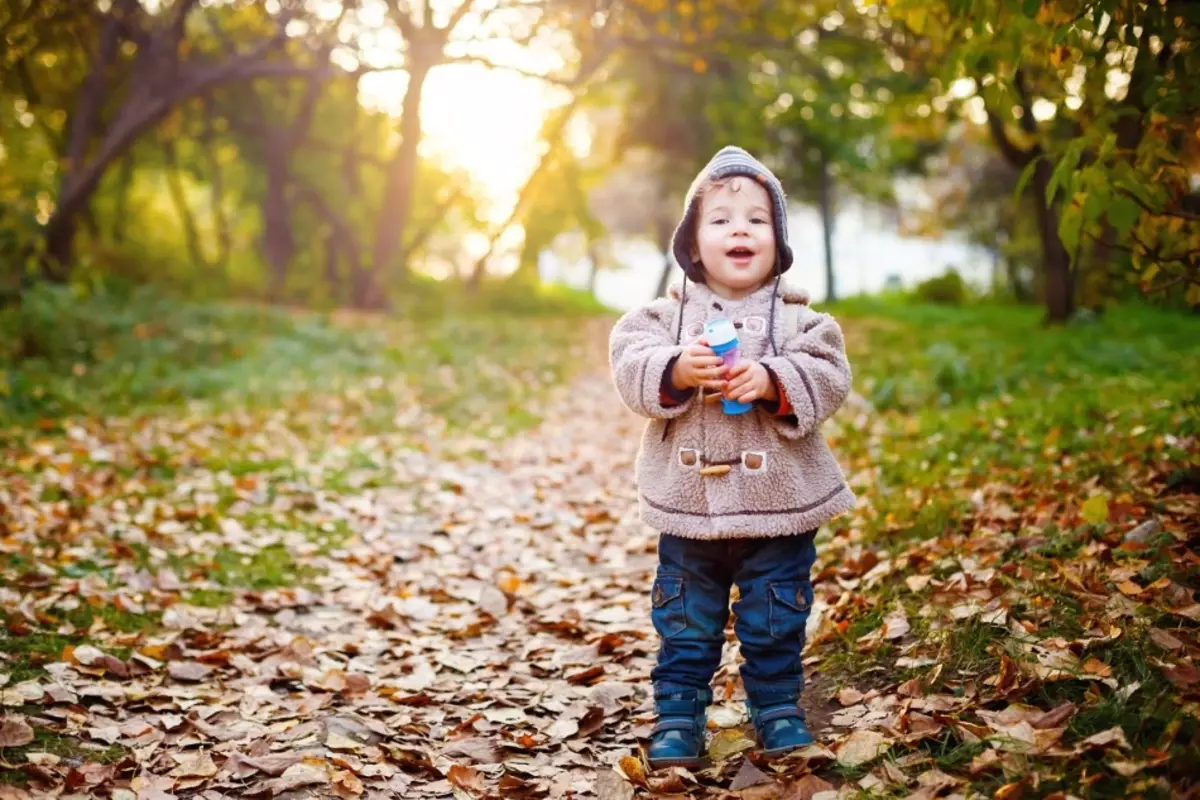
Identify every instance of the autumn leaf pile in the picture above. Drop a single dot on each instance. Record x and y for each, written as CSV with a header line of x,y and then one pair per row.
x,y
302,600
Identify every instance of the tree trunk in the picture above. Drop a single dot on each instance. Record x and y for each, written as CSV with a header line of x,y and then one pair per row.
x,y
594,259
217,192
60,232
827,220
278,243
179,199
1056,263
119,214
400,180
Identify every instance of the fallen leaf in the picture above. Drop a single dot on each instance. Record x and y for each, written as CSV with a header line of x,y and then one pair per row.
x,y
14,732
1112,736
1165,640
296,776
481,751
190,671
1095,509
1182,674
861,747
988,759
466,778
632,769
1056,717
916,583
806,788
612,786
895,624
728,743
193,765
346,783
748,775
849,696
1094,666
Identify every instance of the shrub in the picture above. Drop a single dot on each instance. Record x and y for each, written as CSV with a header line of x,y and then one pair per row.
x,y
946,290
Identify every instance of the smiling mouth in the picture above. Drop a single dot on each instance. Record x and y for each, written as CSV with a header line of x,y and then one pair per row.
x,y
740,252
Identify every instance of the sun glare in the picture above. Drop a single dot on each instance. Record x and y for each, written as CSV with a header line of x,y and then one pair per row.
x,y
482,120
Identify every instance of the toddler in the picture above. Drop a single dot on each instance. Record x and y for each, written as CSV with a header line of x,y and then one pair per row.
x,y
736,497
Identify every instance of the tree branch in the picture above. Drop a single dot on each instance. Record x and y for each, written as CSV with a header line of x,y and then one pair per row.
x,y
438,215
482,61
1185,215
1014,155
455,18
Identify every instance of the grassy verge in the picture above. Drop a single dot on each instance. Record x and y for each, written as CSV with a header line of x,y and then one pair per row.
x,y
1006,465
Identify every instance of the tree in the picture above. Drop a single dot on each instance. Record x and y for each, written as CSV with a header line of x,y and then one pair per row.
x,y
1096,102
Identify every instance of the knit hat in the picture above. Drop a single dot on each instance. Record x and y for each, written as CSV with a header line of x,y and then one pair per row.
x,y
730,161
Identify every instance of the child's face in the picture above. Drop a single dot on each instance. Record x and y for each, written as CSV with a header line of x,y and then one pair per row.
x,y
735,237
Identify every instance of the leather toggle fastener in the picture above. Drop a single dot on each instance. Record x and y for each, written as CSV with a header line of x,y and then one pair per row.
x,y
716,469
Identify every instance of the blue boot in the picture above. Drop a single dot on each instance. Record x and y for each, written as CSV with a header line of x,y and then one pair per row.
x,y
678,738
780,727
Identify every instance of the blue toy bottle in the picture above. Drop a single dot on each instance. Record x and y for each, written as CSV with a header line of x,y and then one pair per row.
x,y
723,340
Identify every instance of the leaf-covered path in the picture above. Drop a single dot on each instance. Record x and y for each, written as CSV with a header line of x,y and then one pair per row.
x,y
431,615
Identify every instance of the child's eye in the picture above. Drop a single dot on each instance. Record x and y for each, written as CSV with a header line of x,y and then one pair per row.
x,y
760,221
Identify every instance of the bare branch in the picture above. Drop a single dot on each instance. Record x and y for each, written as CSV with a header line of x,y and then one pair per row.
x,y
455,18
400,16
560,81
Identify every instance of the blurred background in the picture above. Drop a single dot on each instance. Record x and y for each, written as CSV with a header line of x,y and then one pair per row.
x,y
360,152
287,288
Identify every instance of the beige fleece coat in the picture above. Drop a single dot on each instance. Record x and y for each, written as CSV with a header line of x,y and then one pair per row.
x,y
782,478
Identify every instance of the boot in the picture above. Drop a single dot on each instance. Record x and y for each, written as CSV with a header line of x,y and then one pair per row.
x,y
678,738
780,727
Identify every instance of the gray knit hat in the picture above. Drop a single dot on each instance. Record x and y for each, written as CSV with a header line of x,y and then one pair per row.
x,y
727,162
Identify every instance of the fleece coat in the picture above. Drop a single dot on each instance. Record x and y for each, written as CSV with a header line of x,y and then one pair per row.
x,y
782,478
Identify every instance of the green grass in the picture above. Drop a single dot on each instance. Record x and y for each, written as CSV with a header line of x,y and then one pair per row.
x,y
476,360
982,404
68,748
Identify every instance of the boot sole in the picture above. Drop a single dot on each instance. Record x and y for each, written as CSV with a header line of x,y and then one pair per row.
x,y
686,763
783,751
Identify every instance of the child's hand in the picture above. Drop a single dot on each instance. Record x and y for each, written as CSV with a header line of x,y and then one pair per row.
x,y
697,366
749,381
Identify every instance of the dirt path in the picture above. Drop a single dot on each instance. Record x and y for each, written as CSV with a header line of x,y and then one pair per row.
x,y
485,631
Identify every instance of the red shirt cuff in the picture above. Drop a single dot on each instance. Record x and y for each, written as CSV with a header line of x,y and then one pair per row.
x,y
785,406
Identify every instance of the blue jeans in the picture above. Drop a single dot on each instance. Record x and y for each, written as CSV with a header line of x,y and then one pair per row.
x,y
691,606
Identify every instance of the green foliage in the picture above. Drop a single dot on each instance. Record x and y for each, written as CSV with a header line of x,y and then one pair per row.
x,y
64,353
948,289
1122,80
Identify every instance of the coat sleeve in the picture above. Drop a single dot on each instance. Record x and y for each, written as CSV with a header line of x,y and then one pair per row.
x,y
640,348
814,373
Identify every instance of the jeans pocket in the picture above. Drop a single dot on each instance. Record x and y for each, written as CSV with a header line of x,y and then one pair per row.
x,y
668,613
790,603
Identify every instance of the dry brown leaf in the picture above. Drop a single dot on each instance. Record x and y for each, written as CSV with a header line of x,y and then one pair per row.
x,y
728,742
193,765
849,696
14,732
190,671
346,783
861,747
466,778
806,788
1112,736
612,786
304,773
1165,640
1055,717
